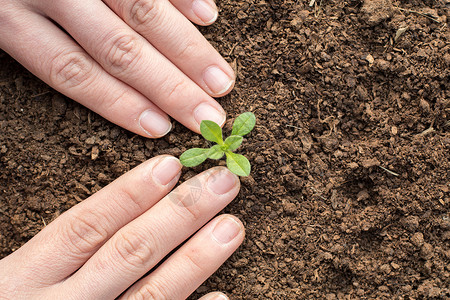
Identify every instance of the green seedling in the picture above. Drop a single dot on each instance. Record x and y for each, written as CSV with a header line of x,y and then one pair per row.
x,y
238,164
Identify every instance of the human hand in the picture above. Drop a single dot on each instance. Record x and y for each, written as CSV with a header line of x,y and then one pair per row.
x,y
103,246
131,61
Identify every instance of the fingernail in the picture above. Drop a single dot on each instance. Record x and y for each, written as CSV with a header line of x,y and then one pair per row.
x,y
205,10
217,80
154,124
226,230
166,170
215,296
205,111
222,181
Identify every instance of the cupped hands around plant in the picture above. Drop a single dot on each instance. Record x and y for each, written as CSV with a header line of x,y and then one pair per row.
x,y
211,131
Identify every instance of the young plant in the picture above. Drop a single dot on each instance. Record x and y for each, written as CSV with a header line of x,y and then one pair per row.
x,y
238,164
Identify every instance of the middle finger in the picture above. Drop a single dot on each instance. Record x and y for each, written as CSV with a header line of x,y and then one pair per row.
x,y
129,57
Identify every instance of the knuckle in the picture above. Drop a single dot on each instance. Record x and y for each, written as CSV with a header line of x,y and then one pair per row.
x,y
123,53
70,69
6,13
185,207
144,12
176,92
149,292
85,233
194,258
134,250
188,50
128,198
116,102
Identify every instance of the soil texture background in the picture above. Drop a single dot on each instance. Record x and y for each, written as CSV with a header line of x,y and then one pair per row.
x,y
349,193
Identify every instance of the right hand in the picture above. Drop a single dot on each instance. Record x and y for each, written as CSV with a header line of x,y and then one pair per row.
x,y
103,247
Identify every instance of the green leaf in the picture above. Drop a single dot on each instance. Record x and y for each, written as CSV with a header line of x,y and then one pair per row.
x,y
244,124
238,164
193,157
233,142
211,131
215,152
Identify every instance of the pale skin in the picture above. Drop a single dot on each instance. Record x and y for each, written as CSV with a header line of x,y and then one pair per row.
x,y
103,247
132,61
135,62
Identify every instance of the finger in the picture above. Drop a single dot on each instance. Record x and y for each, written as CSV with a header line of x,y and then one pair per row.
x,y
193,263
140,245
214,296
201,12
129,57
65,244
62,64
176,38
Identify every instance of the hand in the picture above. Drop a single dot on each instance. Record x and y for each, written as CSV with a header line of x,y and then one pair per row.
x,y
131,61
103,246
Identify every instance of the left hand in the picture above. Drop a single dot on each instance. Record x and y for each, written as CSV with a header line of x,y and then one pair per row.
x,y
134,62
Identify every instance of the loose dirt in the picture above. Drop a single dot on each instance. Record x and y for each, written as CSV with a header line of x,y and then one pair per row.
x,y
349,193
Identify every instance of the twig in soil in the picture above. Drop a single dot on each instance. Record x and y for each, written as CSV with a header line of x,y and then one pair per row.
x,y
234,65
232,49
419,13
318,194
317,8
389,171
331,121
40,94
426,131
400,50
324,249
296,127
316,275
311,225
43,221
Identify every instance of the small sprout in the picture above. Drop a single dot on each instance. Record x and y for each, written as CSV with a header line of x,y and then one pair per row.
x,y
238,164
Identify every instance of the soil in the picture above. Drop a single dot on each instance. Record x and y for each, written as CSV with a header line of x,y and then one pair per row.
x,y
349,192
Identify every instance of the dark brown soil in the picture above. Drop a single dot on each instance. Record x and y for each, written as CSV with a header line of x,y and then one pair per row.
x,y
349,193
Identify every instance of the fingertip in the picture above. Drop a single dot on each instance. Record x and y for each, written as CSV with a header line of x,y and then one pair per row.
x,y
237,220
219,80
215,296
206,11
209,111
154,124
167,170
222,181
228,231
226,90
